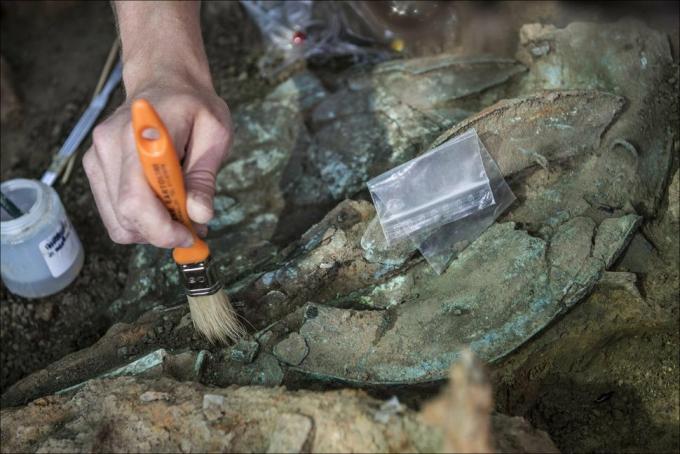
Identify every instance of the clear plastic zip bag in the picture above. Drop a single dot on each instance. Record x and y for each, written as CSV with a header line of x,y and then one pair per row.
x,y
443,200
301,29
444,244
441,186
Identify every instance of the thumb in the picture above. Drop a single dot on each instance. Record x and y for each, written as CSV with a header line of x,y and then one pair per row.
x,y
209,144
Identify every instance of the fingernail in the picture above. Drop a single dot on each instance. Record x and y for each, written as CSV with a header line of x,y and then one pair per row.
x,y
202,199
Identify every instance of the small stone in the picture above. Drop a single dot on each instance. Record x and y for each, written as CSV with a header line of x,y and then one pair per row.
x,y
212,406
274,297
265,337
311,312
45,311
270,372
211,400
41,402
199,363
292,350
388,409
540,49
122,352
244,351
151,396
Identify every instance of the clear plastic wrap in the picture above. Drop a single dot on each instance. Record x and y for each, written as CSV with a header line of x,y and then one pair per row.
x,y
441,186
443,200
445,243
300,29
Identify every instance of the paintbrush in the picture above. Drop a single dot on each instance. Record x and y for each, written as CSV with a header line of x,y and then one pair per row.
x,y
9,206
211,311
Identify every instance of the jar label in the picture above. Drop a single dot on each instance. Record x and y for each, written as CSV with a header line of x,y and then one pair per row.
x,y
60,249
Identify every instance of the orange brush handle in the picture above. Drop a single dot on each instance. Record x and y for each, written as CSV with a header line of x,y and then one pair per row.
x,y
164,174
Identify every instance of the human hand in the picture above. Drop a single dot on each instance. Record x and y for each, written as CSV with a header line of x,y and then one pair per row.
x,y
200,125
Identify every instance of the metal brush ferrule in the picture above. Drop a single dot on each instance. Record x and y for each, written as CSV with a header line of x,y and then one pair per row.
x,y
199,279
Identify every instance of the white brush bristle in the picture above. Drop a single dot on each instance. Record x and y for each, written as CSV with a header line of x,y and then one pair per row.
x,y
215,318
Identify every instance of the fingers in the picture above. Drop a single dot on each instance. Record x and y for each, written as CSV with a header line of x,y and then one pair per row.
x,y
116,231
140,210
200,126
129,209
210,141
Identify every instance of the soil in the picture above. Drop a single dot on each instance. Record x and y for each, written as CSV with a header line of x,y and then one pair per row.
x,y
55,53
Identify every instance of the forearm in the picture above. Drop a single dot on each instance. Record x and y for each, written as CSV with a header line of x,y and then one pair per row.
x,y
161,43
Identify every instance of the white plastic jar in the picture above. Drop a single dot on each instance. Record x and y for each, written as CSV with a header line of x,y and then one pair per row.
x,y
41,252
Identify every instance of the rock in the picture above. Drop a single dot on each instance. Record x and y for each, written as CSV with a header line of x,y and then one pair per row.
x,y
226,213
189,417
388,409
212,406
290,434
196,418
244,351
391,293
302,90
265,370
292,350
151,396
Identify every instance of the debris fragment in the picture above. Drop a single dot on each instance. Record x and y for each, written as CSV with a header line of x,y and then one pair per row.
x,y
389,408
212,406
151,396
244,351
292,350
